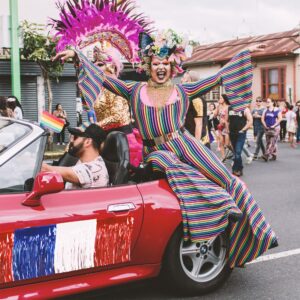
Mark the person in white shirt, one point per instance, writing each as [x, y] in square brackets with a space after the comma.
[14, 104]
[90, 171]
[291, 125]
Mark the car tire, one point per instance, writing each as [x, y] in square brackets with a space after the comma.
[196, 268]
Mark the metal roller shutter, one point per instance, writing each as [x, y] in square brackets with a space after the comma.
[64, 92]
[5, 87]
[29, 98]
[28, 93]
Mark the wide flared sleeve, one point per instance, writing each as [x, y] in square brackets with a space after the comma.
[236, 77]
[92, 78]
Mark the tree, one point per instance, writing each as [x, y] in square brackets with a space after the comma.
[40, 48]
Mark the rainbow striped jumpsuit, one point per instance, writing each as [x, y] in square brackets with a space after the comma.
[206, 190]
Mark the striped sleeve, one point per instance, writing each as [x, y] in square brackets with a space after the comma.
[201, 87]
[119, 87]
[91, 79]
[235, 76]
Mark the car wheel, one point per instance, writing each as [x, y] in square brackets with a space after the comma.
[196, 268]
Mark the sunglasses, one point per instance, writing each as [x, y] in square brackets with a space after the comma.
[258, 100]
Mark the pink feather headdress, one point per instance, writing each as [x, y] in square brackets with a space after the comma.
[85, 22]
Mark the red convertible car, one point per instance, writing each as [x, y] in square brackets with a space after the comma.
[55, 242]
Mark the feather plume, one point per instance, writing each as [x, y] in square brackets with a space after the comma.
[83, 22]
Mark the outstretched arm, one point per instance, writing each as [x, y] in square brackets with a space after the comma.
[235, 76]
[91, 78]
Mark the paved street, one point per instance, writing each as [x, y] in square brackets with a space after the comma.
[275, 186]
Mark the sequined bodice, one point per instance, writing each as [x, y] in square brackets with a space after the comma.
[111, 111]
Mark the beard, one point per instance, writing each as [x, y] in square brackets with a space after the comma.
[75, 150]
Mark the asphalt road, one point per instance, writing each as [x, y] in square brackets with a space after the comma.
[276, 188]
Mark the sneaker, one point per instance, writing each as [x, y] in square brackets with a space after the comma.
[57, 144]
[265, 158]
[255, 157]
[249, 159]
[273, 157]
[64, 144]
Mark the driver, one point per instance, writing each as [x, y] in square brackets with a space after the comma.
[90, 171]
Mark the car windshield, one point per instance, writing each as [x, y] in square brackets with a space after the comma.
[19, 169]
[10, 133]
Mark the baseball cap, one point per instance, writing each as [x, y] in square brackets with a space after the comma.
[93, 131]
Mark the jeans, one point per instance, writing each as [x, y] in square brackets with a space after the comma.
[298, 133]
[259, 142]
[237, 142]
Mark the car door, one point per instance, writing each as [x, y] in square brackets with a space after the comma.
[70, 233]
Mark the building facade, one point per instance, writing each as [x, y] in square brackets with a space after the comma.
[276, 71]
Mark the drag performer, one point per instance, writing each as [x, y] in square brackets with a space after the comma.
[112, 111]
[208, 193]
[94, 34]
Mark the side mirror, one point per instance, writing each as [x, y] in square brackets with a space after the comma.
[44, 183]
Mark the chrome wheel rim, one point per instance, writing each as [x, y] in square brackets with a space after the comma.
[203, 262]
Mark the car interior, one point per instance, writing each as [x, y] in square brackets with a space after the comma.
[115, 154]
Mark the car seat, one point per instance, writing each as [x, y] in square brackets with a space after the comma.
[115, 153]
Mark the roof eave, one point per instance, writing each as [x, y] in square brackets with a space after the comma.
[201, 63]
[225, 60]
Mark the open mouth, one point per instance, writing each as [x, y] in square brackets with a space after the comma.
[161, 74]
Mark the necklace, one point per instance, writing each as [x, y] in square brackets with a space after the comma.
[159, 94]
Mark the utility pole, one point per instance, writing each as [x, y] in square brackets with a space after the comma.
[15, 52]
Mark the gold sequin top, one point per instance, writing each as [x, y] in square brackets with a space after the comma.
[112, 111]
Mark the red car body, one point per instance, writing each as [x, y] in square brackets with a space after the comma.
[151, 208]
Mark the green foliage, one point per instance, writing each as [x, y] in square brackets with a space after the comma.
[40, 48]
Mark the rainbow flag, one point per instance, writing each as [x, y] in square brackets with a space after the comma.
[51, 122]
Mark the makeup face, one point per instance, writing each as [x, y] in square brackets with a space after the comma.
[107, 68]
[160, 70]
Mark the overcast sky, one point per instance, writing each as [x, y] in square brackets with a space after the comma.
[206, 21]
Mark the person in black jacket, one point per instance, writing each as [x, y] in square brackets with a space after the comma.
[238, 122]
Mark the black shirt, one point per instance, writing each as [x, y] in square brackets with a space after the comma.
[237, 120]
